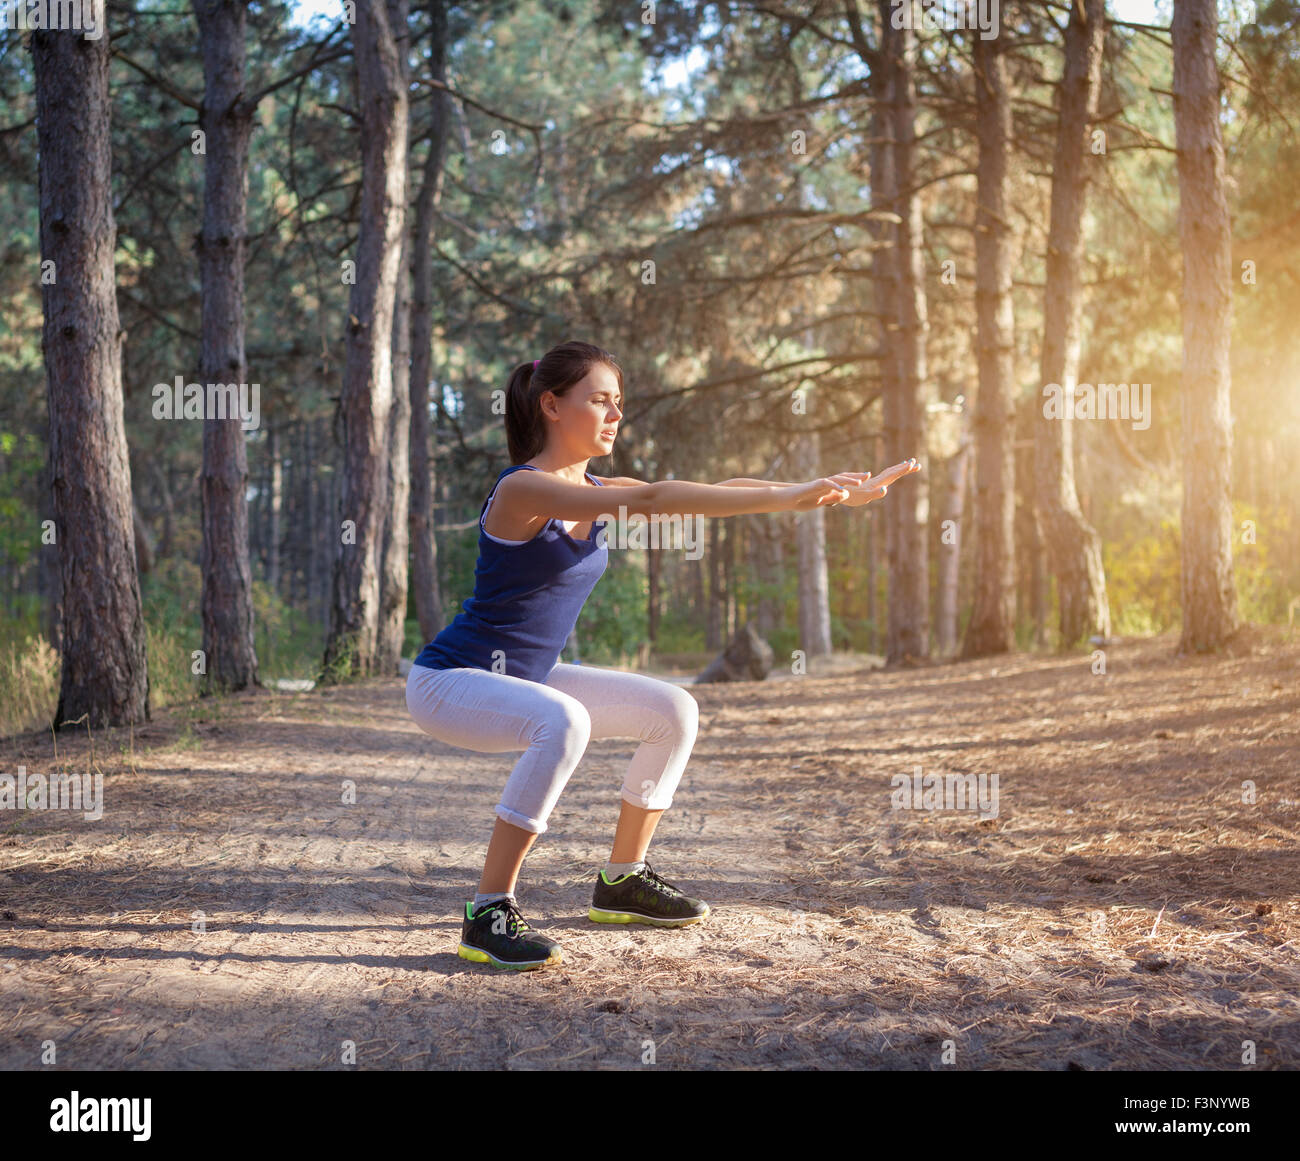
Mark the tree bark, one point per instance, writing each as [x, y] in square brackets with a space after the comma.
[105, 675]
[1209, 590]
[883, 192]
[424, 547]
[992, 627]
[1073, 544]
[226, 119]
[367, 396]
[908, 512]
[397, 533]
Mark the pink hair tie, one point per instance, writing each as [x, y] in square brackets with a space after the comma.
[535, 362]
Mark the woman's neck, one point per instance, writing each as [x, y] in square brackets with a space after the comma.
[574, 473]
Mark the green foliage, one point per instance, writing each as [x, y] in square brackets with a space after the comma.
[339, 668]
[289, 643]
[457, 557]
[679, 634]
[22, 458]
[1262, 586]
[1143, 570]
[169, 650]
[612, 625]
[412, 639]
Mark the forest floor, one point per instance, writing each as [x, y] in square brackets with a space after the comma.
[1133, 904]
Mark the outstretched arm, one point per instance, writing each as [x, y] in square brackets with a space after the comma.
[863, 487]
[738, 482]
[538, 494]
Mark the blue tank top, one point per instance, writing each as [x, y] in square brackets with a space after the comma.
[526, 600]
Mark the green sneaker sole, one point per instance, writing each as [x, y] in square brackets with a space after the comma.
[478, 955]
[597, 915]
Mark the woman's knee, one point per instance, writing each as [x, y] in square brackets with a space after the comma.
[566, 722]
[685, 711]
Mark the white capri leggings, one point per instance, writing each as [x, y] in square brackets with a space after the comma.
[477, 709]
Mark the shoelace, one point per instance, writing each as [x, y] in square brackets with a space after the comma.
[658, 881]
[515, 921]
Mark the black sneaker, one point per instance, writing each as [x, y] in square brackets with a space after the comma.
[497, 933]
[644, 897]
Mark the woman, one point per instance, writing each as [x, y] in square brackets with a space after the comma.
[492, 681]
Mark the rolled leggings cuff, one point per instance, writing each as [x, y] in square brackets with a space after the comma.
[514, 818]
[648, 801]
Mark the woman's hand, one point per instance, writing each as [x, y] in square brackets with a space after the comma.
[863, 487]
[852, 489]
[817, 494]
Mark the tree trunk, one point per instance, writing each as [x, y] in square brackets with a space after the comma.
[424, 548]
[1209, 591]
[312, 523]
[908, 509]
[226, 120]
[50, 573]
[1073, 545]
[729, 533]
[875, 525]
[367, 396]
[992, 627]
[653, 566]
[397, 534]
[695, 572]
[277, 502]
[883, 191]
[713, 624]
[950, 552]
[105, 675]
[810, 535]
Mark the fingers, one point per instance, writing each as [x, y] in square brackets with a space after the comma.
[837, 492]
[898, 471]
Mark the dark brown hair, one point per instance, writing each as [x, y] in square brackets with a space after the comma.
[558, 370]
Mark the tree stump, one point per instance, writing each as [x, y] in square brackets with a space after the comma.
[747, 657]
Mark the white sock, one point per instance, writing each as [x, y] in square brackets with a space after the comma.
[491, 897]
[618, 870]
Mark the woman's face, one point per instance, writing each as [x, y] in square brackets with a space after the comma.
[589, 413]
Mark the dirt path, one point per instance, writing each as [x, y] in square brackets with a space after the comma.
[1124, 910]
